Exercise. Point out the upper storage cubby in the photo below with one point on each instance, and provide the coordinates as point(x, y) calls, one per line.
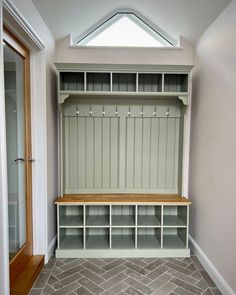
point(150, 82)
point(124, 82)
point(175, 83)
point(98, 82)
point(72, 81)
point(131, 83)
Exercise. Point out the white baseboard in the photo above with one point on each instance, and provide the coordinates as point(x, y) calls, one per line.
point(52, 247)
point(210, 268)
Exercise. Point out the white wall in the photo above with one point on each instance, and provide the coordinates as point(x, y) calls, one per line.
point(115, 55)
point(213, 146)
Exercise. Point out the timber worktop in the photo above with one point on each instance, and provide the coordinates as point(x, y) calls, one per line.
point(122, 198)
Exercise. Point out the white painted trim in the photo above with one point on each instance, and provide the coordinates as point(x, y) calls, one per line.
point(21, 21)
point(51, 247)
point(210, 268)
point(122, 253)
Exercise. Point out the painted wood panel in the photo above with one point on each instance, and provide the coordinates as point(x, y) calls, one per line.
point(122, 148)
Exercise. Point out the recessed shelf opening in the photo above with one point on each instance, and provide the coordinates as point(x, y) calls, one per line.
point(97, 238)
point(174, 238)
point(124, 82)
point(71, 238)
point(149, 215)
point(176, 83)
point(71, 215)
point(97, 215)
point(123, 238)
point(150, 82)
point(175, 216)
point(123, 215)
point(73, 81)
point(98, 82)
point(149, 238)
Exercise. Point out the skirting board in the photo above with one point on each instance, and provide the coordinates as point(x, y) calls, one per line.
point(122, 253)
point(210, 268)
point(52, 247)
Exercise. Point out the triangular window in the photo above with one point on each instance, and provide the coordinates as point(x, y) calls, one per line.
point(124, 30)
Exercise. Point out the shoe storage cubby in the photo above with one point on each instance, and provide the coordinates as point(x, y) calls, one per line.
point(110, 228)
point(83, 82)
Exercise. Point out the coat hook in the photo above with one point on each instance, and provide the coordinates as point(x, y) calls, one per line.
point(129, 113)
point(103, 111)
point(155, 112)
point(116, 113)
point(90, 111)
point(77, 111)
point(141, 112)
point(168, 112)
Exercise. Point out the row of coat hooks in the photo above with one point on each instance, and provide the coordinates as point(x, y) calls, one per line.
point(116, 111)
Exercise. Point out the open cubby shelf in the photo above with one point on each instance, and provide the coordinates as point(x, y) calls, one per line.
point(114, 227)
point(123, 82)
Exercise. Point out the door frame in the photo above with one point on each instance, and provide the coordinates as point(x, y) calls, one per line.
point(20, 259)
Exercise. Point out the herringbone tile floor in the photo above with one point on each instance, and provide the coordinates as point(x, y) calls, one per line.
point(130, 276)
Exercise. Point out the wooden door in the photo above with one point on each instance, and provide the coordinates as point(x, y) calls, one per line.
point(19, 157)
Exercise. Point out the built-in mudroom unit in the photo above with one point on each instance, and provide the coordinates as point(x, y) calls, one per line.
point(123, 142)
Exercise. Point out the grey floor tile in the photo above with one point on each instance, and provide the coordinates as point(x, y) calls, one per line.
point(72, 264)
point(183, 277)
point(68, 272)
point(113, 264)
point(161, 280)
point(116, 289)
point(111, 273)
point(196, 275)
point(178, 268)
point(132, 291)
point(73, 286)
point(181, 291)
point(97, 262)
point(35, 291)
point(137, 276)
point(42, 278)
point(92, 276)
point(186, 286)
point(154, 264)
point(93, 267)
point(157, 272)
point(202, 284)
point(137, 261)
point(136, 268)
point(207, 292)
point(165, 289)
point(52, 280)
point(82, 291)
point(215, 291)
point(207, 278)
point(139, 286)
point(47, 290)
point(113, 281)
point(177, 262)
point(89, 285)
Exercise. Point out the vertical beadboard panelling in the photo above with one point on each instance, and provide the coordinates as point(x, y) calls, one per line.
point(129, 153)
point(89, 152)
point(73, 152)
point(162, 152)
point(114, 152)
point(98, 152)
point(148, 158)
point(81, 139)
point(154, 152)
point(146, 136)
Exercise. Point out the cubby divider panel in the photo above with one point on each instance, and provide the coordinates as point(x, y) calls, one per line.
point(71, 238)
point(124, 82)
point(97, 238)
point(97, 215)
point(149, 238)
point(72, 81)
point(150, 83)
point(176, 82)
point(123, 215)
point(71, 215)
point(174, 238)
point(175, 216)
point(98, 82)
point(123, 238)
point(149, 215)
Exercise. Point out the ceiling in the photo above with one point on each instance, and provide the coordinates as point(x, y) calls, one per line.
point(188, 18)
